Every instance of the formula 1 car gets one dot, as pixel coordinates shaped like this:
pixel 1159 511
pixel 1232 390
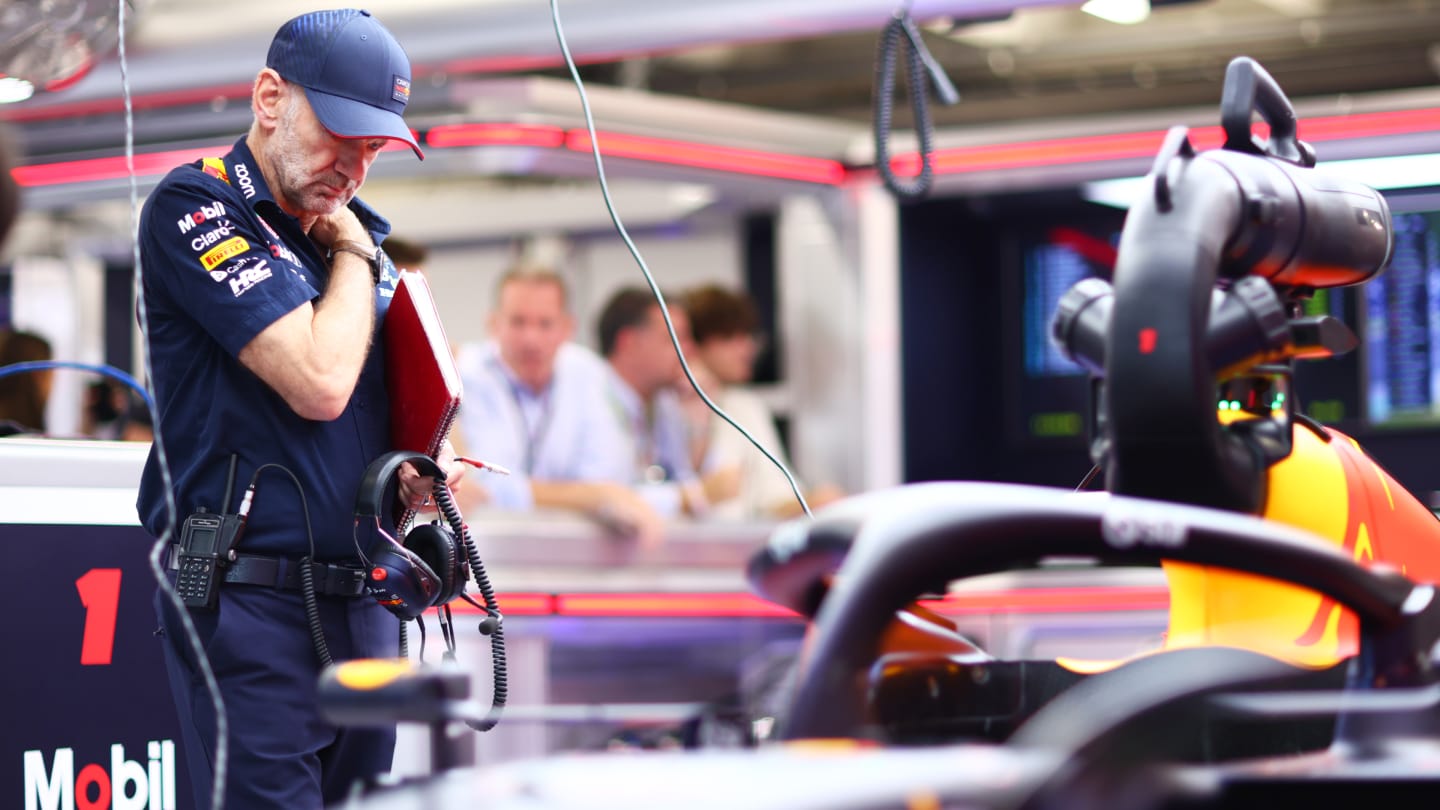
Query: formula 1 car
pixel 1299 660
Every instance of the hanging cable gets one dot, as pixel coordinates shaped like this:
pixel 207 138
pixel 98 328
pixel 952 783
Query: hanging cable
pixel 645 269
pixel 162 543
pixel 919 63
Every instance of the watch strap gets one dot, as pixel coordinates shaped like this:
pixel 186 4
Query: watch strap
pixel 370 254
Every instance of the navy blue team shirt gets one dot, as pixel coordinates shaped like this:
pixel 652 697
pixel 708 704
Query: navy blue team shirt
pixel 220 262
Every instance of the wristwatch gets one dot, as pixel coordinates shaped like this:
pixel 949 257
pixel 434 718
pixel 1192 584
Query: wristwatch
pixel 369 254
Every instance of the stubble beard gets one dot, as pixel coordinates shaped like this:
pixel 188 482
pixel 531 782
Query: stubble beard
pixel 287 157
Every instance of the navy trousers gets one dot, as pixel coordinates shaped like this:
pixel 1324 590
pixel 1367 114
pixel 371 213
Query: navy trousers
pixel 281 752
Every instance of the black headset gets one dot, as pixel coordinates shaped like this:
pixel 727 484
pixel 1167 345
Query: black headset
pixel 428 568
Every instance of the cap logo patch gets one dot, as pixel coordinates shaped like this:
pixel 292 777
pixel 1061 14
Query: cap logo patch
pixel 401 93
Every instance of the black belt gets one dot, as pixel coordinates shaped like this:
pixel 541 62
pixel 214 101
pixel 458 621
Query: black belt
pixel 283 572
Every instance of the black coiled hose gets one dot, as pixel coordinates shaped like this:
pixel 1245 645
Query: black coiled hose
pixel 918 63
pixel 493 623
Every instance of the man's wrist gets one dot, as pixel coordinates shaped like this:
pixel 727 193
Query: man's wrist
pixel 365 250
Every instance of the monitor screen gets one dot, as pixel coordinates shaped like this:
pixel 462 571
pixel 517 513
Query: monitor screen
pixel 1053 263
pixel 1052 393
pixel 1402 330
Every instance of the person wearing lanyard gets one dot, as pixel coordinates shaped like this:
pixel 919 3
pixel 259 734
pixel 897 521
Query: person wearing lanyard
pixel 644 373
pixel 535 404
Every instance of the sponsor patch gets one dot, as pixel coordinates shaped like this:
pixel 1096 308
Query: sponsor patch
pixel 228 249
pixel 210 237
pixel 215 167
pixel 222 273
pixel 206 213
pixel 248 278
pixel 242 178
pixel 401 92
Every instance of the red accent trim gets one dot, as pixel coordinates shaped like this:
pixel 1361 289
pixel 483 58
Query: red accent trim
pixel 1148 338
pixel 709 156
pixel 728 605
pixel 451 135
pixel 1093 249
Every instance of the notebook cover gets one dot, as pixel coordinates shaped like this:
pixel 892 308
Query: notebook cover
pixel 420 373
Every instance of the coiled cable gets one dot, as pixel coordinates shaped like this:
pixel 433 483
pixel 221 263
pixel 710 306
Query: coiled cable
pixel 493 623
pixel 919 62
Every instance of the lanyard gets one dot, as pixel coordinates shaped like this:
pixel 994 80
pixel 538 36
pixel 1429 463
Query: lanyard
pixel 534 433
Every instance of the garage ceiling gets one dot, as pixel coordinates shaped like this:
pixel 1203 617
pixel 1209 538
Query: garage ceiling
pixel 1028 64
pixel 1045 60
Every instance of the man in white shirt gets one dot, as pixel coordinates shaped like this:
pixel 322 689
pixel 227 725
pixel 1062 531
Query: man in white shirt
pixel 644 373
pixel 536 404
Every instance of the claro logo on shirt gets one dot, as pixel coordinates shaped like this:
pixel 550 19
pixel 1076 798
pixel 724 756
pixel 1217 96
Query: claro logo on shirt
pixel 127 785
pixel 248 278
pixel 228 249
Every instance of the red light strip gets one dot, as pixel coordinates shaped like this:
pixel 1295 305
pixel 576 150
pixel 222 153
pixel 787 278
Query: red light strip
pixel 1121 146
pixel 723 605
pixel 708 156
pixel 110 168
pixel 455 135
pixel 170 98
pixel 668 604
pixel 515 604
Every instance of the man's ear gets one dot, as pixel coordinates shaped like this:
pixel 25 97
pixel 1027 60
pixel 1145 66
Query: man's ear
pixel 268 98
pixel 567 325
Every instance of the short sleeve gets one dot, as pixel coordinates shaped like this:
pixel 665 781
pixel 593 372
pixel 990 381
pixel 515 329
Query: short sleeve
pixel 214 262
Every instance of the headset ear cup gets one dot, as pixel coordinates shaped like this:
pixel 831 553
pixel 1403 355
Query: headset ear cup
pixel 438 548
pixel 402 582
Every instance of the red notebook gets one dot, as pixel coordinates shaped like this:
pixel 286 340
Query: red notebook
pixel 420 372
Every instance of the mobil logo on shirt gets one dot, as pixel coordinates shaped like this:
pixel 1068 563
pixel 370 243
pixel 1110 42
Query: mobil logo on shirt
pixel 190 221
pixel 125 785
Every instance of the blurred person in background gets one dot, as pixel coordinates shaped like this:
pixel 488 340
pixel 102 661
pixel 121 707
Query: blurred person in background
pixel 645 374
pixel 727 340
pixel 535 404
pixel 23 394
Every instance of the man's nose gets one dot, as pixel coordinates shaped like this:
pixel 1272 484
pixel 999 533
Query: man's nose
pixel 350 161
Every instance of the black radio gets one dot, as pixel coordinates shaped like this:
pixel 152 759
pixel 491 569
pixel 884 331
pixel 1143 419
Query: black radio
pixel 207 547
pixel 207 541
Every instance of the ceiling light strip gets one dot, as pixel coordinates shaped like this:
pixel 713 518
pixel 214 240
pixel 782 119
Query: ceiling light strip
pixel 1131 145
pixel 108 106
pixel 109 168
pixel 708 156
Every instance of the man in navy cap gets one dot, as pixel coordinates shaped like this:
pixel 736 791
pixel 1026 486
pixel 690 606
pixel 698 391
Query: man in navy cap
pixel 263 293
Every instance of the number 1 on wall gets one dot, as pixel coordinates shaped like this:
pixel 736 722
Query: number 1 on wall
pixel 100 594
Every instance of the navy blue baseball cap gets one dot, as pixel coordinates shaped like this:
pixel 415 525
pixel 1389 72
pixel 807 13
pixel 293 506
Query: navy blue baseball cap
pixel 355 74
